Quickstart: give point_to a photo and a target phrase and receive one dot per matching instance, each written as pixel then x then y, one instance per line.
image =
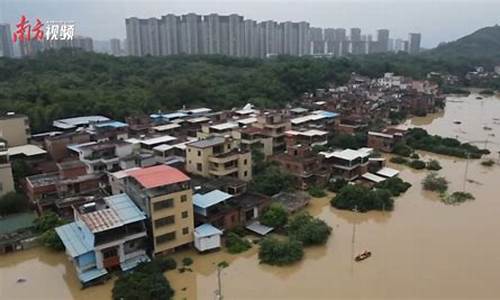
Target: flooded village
pixel 422 249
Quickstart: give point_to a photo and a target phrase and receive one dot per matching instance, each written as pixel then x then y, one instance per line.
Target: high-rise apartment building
pixel 382 40
pixel 414 43
pixel 6 48
pixel 115 47
pixel 235 36
pixel 15 129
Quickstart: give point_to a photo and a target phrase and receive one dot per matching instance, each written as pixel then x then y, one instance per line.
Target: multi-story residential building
pixel 105 235
pixel 104 156
pixel 414 43
pixel 218 157
pixel 6 49
pixel 164 194
pixel 15 129
pixel 6 178
pixel 349 164
pixel 273 125
pixel 56 144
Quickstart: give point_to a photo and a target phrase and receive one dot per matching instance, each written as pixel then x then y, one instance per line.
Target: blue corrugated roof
pixel 206 230
pixel 329 114
pixel 72 239
pixel 125 208
pixel 210 198
pixel 112 123
pixel 91 274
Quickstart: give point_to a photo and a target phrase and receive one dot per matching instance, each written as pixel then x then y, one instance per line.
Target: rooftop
pixel 211 198
pixel 70 235
pixel 120 211
pixel 224 126
pixel 206 230
pixel 206 143
pixel 26 150
pixel 166 127
pixel 158 140
pixel 158 176
pixel 15 222
pixel 78 121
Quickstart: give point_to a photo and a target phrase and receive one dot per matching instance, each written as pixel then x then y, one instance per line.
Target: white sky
pixel 437 20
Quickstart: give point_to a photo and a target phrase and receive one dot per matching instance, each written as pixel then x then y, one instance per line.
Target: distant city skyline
pixel 437 21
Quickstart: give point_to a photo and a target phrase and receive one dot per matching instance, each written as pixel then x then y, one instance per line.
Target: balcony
pixel 225 157
pixel 223 171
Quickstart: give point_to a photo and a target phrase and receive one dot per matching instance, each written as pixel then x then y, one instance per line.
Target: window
pixel 164 221
pixel 245 174
pixel 184 214
pixel 165 237
pixel 245 162
pixel 163 204
pixel 185 230
pixel 198 167
pixel 184 198
pixel 189 149
pixel 199 153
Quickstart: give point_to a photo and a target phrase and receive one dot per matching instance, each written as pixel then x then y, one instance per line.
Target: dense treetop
pixel 67 82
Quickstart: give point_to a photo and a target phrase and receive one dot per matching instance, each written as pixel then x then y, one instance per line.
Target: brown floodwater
pixel 423 249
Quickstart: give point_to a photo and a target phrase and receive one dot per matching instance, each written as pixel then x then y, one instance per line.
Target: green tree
pixel 433 165
pixel 274 216
pixel 236 244
pixel 146 282
pixel 272 181
pixel 308 230
pixel 363 199
pixel 13 202
pixel 395 185
pixel 433 182
pixel 276 252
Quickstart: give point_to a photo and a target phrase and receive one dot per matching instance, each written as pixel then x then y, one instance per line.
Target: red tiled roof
pixel 158 176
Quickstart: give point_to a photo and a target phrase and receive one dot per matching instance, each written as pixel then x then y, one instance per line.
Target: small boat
pixel 457 122
pixel 363 256
pixel 479 98
pixel 487 128
pixel 21 280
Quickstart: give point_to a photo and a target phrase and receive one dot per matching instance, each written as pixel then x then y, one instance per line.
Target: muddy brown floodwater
pixel 423 249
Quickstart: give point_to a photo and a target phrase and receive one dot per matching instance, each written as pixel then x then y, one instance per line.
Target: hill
pixel 483 44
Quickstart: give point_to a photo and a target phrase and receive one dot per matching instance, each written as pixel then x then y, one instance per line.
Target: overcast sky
pixel 437 20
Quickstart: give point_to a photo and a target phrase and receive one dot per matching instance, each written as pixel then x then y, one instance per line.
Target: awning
pixel 372 177
pixel 133 262
pixel 388 172
pixel 91 274
pixel 259 228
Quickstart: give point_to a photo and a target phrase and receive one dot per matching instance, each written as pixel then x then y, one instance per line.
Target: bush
pixel 187 261
pixel 51 240
pixel 235 244
pixel 433 165
pixel 308 230
pixel 488 162
pixel 316 192
pixel 402 149
pixel 274 216
pixel 48 221
pixel 276 252
pixel 457 198
pixel 417 164
pixel 272 180
pixel 395 185
pixel 415 156
pixel 363 199
pixel 433 182
pixel 337 184
pixel 146 282
pixel 12 203
pixel 166 263
pixel 399 160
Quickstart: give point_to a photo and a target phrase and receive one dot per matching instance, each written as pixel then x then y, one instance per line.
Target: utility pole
pixel 466 170
pixel 220 267
pixel 355 210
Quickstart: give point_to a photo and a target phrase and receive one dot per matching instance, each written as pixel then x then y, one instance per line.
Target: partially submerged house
pixel 105 236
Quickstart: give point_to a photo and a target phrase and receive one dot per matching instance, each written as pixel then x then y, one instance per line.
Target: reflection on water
pixel 423 249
